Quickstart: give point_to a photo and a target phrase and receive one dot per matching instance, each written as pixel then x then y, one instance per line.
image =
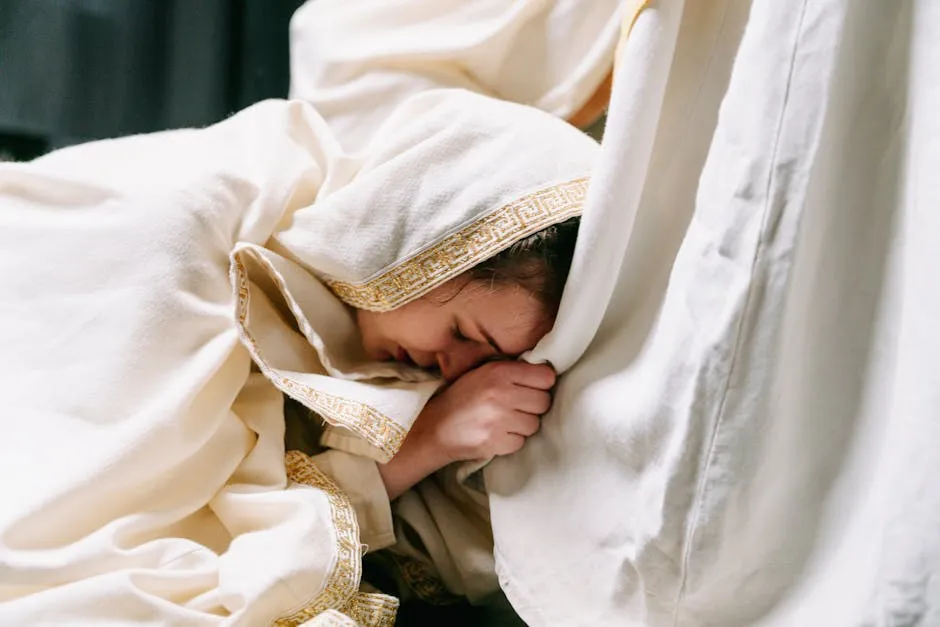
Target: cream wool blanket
pixel 142 469
pixel 161 295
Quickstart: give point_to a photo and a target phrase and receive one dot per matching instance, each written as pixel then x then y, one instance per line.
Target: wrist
pixel 427 438
pixel 420 455
pixel 426 449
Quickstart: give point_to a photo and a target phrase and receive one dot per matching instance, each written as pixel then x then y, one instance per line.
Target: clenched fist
pixel 488 411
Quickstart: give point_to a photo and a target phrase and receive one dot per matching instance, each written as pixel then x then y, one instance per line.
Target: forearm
pixel 417 458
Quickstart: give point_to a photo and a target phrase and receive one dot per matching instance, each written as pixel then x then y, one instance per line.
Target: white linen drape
pixel 751 435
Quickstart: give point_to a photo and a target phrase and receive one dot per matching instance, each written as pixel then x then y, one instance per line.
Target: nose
pixel 423 359
pixel 453 364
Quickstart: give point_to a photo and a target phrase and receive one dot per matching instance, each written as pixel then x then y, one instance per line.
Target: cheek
pixel 421 326
pixel 378 327
pixel 401 325
pixel 368 326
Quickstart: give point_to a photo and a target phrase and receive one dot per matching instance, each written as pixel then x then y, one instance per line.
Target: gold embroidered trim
pixel 343 581
pixel 466 248
pixel 373 609
pixel 366 421
pixel 332 618
pixel 423 582
pixel 373 426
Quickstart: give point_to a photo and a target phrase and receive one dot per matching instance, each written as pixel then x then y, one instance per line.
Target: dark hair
pixel 538 263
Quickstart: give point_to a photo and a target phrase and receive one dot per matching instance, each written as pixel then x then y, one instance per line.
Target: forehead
pixel 508 301
pixel 511 315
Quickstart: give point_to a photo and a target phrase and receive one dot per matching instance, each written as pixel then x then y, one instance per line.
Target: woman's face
pixel 456 327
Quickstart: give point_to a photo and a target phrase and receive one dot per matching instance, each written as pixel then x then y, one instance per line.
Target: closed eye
pixel 459 335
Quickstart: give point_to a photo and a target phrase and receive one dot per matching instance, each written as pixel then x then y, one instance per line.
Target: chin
pixel 382 356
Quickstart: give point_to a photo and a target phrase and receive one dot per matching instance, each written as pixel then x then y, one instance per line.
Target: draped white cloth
pixel 747 429
pixel 161 295
pixel 356 60
pixel 751 435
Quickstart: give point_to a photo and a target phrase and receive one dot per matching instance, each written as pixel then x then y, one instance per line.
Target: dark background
pixel 75 70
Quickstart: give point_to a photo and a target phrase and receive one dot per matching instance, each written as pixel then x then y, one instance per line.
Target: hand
pixel 488 411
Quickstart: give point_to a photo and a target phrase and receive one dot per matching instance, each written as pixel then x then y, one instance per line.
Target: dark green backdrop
pixel 73 70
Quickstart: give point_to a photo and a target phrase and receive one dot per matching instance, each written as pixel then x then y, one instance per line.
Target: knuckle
pixel 496 421
pixel 490 395
pixel 488 419
pixel 506 368
pixel 538 375
pixel 495 368
pixel 478 440
pixel 547 375
pixel 545 403
pixel 500 391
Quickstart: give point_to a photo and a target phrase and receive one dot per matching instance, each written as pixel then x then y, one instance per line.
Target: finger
pixel 529 400
pixel 537 376
pixel 521 423
pixel 508 443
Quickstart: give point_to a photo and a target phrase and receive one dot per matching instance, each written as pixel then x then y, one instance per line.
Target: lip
pixel 402 356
